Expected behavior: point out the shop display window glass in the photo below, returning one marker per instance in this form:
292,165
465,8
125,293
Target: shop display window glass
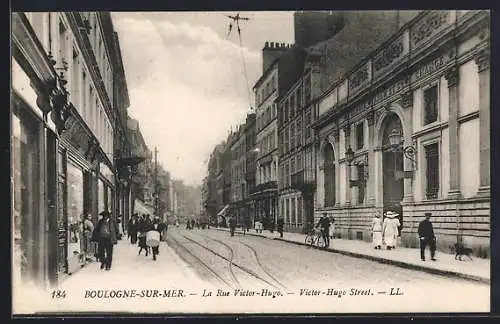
75,208
26,193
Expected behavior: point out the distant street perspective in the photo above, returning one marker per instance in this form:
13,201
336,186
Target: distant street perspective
252,162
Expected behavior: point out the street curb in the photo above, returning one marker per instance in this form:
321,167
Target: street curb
401,264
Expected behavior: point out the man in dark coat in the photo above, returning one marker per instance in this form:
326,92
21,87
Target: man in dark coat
427,237
106,233
232,225
280,224
324,224
133,228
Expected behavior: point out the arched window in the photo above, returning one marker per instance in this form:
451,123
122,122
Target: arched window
329,171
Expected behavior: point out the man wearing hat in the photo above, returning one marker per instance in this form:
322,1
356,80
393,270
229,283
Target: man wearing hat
106,232
324,224
427,237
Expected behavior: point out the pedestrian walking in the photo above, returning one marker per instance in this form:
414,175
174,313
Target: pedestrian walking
280,224
154,237
87,231
377,230
232,225
106,231
133,228
331,232
324,225
258,226
390,229
144,227
427,237
120,227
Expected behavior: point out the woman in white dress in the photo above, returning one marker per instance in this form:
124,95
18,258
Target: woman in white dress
332,227
390,229
377,230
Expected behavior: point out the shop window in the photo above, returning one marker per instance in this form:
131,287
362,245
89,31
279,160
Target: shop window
361,183
430,104
74,208
26,197
360,136
432,170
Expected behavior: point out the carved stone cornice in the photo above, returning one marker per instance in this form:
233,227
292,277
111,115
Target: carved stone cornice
452,77
406,99
483,59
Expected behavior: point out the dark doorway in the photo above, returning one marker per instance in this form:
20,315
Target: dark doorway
329,171
392,164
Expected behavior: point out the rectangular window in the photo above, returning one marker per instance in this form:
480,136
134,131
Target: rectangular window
292,165
292,136
300,220
75,78
307,124
362,183
360,136
432,170
27,219
299,162
307,89
430,104
287,174
298,139
292,105
287,105
299,98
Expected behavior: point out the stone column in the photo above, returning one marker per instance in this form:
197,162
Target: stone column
371,159
407,102
347,137
338,181
453,78
483,63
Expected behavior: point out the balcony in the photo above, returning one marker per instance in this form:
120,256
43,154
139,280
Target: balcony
302,183
270,185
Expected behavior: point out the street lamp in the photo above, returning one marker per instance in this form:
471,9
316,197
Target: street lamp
397,145
349,155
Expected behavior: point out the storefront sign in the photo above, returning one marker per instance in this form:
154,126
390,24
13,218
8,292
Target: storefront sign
433,66
391,90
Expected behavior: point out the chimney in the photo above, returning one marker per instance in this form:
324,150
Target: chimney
270,53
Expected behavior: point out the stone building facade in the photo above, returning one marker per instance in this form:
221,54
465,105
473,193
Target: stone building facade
64,121
407,129
265,193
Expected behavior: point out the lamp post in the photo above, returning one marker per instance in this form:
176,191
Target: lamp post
397,145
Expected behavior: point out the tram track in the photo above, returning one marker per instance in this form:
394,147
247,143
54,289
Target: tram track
230,260
200,261
257,259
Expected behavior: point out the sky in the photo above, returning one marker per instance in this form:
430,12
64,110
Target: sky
186,78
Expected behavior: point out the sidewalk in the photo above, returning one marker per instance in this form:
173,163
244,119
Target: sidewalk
476,270
128,267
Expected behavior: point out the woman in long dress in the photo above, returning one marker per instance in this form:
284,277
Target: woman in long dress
390,229
377,231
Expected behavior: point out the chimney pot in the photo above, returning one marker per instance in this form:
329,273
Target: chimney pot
266,45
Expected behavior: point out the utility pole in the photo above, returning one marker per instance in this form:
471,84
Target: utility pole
156,182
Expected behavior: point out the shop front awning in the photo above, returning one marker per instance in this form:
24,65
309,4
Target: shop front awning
140,208
223,211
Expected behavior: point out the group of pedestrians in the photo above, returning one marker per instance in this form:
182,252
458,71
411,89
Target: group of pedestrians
387,231
147,232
